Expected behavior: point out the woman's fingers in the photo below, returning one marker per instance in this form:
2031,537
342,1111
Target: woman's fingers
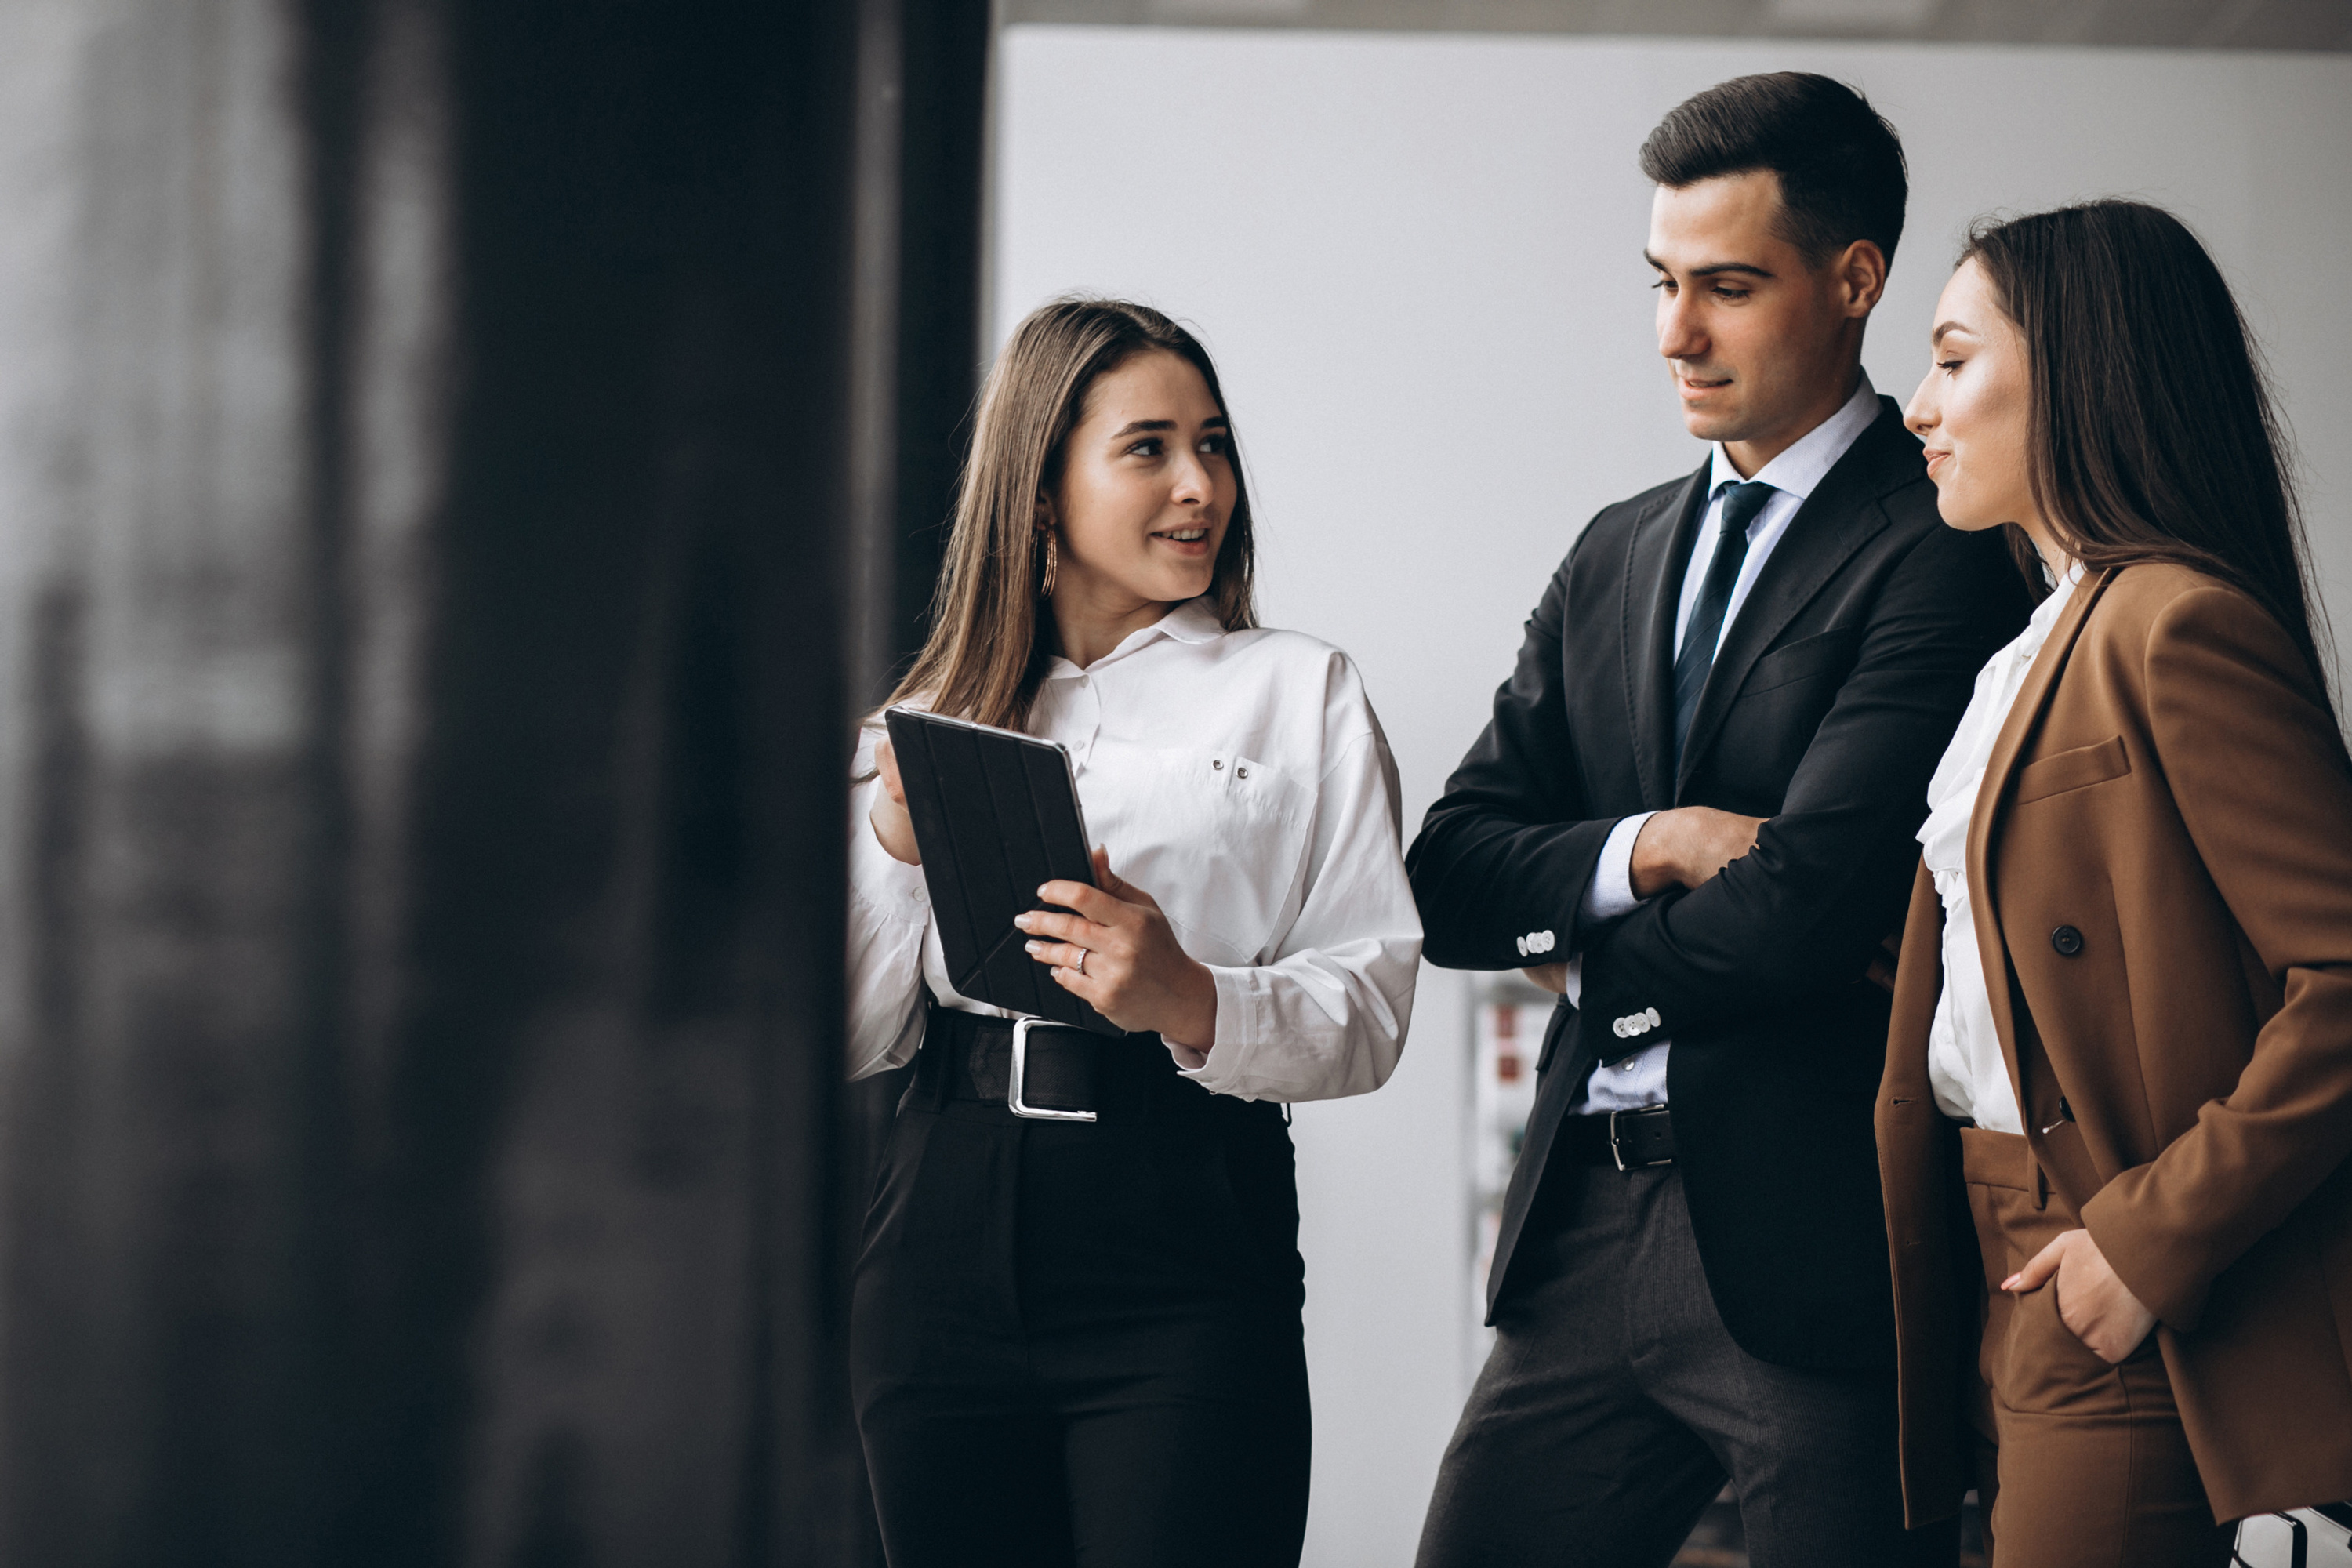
2042,1265
1092,902
1049,925
1059,954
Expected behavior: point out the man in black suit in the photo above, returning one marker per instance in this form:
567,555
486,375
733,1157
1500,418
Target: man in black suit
1693,810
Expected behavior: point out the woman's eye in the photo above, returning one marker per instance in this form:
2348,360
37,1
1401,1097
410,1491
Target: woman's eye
1948,366
1215,444
1147,448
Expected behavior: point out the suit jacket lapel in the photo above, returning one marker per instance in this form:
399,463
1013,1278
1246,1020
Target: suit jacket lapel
1656,556
1838,519
2008,747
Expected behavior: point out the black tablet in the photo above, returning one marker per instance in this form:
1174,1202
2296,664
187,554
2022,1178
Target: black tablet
996,814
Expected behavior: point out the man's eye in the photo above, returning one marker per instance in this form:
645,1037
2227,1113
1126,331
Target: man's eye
1723,294
1666,283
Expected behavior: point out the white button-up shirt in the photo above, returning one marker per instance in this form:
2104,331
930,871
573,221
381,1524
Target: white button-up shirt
1241,779
1965,1066
1641,1078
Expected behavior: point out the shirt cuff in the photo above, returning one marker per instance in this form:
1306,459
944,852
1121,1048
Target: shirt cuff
1610,894
1219,1068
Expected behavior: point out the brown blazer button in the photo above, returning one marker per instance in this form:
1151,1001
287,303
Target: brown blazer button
2067,941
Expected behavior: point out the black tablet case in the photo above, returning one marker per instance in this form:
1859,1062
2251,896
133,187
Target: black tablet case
996,813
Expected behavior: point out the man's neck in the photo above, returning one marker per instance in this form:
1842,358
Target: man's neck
1749,456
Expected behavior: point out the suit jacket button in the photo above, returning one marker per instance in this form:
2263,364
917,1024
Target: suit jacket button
1523,945
1653,1016
2067,941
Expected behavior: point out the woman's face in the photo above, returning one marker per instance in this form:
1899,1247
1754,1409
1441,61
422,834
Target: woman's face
1147,491
1974,410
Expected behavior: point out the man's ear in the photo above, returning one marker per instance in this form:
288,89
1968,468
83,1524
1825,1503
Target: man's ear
1861,272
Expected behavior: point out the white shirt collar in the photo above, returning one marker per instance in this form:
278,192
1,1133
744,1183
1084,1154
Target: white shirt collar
1804,465
1191,621
2045,613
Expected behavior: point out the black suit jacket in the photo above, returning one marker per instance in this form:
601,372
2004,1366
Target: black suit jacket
1829,704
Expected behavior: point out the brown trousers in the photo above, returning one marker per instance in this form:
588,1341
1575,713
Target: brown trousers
2079,1464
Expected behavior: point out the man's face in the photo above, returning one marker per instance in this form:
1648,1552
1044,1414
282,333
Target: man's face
1762,339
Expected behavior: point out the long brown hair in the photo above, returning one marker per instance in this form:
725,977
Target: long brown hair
2154,436
989,642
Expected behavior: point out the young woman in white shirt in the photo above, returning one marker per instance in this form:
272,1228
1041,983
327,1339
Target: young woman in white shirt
1080,1343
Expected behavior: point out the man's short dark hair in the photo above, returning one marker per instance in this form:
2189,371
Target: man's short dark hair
1840,162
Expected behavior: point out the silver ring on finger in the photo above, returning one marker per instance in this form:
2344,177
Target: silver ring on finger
1082,961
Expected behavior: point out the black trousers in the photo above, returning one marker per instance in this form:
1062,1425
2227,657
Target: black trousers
1615,1404
1080,1343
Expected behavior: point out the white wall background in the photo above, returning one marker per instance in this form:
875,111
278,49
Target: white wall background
1417,260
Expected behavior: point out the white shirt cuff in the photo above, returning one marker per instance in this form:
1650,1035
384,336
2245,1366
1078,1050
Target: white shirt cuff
1610,894
1218,1068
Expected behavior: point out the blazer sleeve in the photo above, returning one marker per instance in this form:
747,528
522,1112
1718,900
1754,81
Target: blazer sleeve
2258,772
1509,847
1830,871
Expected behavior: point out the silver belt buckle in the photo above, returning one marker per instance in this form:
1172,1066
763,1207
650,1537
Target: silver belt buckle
1012,1099
1617,1150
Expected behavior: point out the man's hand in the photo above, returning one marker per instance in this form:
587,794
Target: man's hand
892,826
1685,846
1120,953
2092,1300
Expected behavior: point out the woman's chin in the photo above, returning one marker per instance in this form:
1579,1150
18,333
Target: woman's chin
1957,514
1174,587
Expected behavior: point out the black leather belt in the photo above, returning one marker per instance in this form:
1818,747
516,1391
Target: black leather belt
1628,1140
1047,1071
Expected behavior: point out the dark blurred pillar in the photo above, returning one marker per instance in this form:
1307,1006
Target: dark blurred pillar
430,615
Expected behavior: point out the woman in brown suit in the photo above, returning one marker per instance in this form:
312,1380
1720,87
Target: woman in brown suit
2121,1059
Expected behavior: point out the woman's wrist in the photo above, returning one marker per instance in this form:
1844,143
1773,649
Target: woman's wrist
895,831
1195,1028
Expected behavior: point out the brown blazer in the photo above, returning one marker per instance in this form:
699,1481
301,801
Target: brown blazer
2169,800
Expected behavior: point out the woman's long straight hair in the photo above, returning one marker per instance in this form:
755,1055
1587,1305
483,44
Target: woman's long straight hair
990,637
2154,437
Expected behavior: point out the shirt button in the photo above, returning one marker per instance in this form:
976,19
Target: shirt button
2067,941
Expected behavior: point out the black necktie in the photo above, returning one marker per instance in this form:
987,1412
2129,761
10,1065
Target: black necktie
1741,504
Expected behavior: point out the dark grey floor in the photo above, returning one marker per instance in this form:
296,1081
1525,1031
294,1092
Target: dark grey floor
1717,1542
